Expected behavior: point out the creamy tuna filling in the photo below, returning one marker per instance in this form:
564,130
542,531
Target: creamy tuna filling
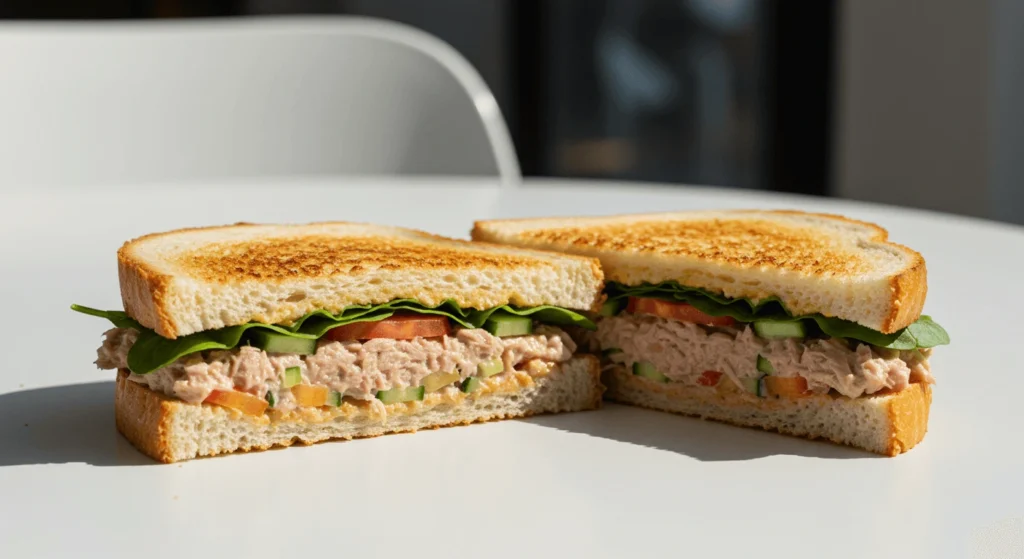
355,369
683,351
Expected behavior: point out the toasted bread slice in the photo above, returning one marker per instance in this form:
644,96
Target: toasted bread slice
887,424
170,430
814,263
192,280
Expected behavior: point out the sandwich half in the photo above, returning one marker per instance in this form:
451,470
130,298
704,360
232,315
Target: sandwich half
805,324
247,337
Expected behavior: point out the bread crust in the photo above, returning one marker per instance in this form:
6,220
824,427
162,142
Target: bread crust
143,292
143,417
151,421
900,419
725,252
908,412
188,280
909,291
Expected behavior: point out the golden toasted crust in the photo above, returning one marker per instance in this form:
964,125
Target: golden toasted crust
150,420
909,291
746,243
144,417
908,414
886,424
734,252
170,281
143,292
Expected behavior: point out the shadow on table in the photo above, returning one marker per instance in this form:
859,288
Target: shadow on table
63,424
708,441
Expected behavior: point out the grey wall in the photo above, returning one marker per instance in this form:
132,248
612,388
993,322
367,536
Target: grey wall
1007,111
912,124
929,110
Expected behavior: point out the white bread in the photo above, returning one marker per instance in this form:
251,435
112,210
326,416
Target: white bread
170,430
815,263
191,280
887,424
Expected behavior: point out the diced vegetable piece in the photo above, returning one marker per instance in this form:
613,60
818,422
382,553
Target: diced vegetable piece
755,385
292,376
503,324
436,381
490,368
709,378
241,401
780,328
728,387
610,351
676,311
395,395
647,370
472,384
786,387
271,399
310,396
401,326
613,307
765,366
334,399
272,342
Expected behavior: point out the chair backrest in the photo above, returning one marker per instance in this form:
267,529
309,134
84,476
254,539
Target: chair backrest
157,102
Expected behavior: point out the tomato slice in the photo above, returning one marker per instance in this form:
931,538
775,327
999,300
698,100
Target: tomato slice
682,312
709,378
403,326
241,401
786,387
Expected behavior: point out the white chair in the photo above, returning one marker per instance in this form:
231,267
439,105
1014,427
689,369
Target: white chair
149,102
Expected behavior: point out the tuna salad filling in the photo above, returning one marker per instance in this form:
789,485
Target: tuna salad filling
363,369
715,355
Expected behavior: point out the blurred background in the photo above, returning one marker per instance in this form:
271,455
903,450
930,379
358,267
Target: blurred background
897,101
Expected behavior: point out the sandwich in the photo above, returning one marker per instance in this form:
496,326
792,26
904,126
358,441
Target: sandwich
247,337
800,323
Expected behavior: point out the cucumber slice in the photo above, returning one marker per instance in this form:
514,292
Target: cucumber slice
765,366
470,385
334,398
271,399
490,368
646,370
503,325
755,385
272,342
436,381
780,329
611,351
292,376
395,395
612,308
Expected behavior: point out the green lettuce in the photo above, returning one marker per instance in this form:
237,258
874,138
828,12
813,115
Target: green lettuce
153,351
923,333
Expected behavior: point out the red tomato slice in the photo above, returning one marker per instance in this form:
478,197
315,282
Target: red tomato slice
675,311
709,378
397,327
241,401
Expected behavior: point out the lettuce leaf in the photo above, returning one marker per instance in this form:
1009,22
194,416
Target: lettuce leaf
153,351
923,333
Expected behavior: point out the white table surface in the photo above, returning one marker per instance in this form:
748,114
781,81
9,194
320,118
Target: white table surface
616,482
